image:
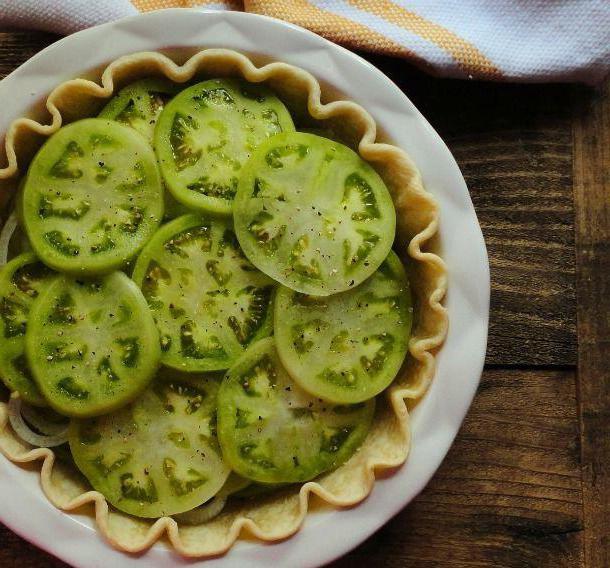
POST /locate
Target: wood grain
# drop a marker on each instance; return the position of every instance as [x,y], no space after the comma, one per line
[513,144]
[508,493]
[592,197]
[17,553]
[17,47]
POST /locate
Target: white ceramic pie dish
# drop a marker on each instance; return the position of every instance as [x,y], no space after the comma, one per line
[437,418]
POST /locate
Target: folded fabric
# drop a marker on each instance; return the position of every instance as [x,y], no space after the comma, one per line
[510,40]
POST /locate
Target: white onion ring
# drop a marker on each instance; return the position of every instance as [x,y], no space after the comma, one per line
[25,432]
[204,513]
[5,237]
[46,427]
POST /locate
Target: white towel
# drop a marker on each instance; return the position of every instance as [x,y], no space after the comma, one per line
[510,40]
[62,16]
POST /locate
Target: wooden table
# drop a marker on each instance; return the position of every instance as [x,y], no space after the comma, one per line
[526,482]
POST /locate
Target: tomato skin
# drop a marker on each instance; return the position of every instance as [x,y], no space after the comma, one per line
[348,347]
[273,432]
[311,214]
[159,455]
[21,280]
[92,197]
[208,301]
[205,135]
[92,345]
[139,104]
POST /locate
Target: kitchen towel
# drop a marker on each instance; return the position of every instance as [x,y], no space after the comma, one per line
[504,40]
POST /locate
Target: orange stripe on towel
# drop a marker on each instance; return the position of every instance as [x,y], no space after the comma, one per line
[468,57]
[332,26]
[150,5]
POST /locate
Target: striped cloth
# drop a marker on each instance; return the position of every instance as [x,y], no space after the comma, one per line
[518,40]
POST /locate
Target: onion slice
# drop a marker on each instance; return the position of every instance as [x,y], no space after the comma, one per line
[35,417]
[26,433]
[204,513]
[5,237]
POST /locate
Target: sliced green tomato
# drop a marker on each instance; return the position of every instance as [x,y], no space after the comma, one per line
[173,208]
[214,506]
[208,301]
[348,347]
[159,455]
[312,214]
[92,197]
[235,483]
[21,280]
[139,104]
[272,431]
[206,134]
[19,243]
[92,345]
[324,132]
[256,489]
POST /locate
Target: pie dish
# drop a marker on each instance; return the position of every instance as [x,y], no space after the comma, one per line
[387,446]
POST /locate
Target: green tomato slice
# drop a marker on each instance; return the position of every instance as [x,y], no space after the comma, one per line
[348,347]
[92,197]
[21,280]
[207,132]
[92,345]
[159,455]
[208,301]
[312,214]
[271,431]
[173,208]
[139,104]
[253,490]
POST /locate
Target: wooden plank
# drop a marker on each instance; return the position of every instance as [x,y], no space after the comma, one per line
[509,492]
[17,553]
[16,47]
[513,144]
[592,199]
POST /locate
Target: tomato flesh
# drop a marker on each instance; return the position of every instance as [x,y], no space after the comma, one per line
[208,301]
[271,431]
[92,345]
[312,214]
[348,347]
[207,132]
[159,455]
[92,197]
[21,280]
[139,104]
